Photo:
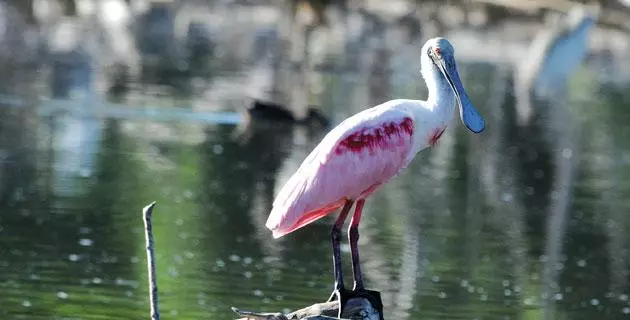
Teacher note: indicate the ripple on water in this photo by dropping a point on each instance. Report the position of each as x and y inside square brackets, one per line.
[432, 242]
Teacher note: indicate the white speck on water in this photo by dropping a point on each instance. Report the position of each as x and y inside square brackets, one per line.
[26, 303]
[435, 278]
[85, 172]
[134, 259]
[311, 284]
[544, 296]
[248, 274]
[235, 258]
[505, 283]
[62, 295]
[97, 280]
[86, 242]
[19, 195]
[623, 297]
[217, 149]
[517, 289]
[480, 290]
[529, 191]
[567, 153]
[125, 282]
[183, 235]
[270, 259]
[506, 197]
[73, 257]
[507, 292]
[581, 263]
[258, 293]
[557, 296]
[188, 194]
[594, 302]
[484, 297]
[129, 293]
[529, 301]
[189, 255]
[471, 289]
[220, 263]
[85, 230]
[626, 310]
[442, 295]
[286, 310]
[559, 266]
[33, 276]
[247, 260]
[84, 282]
[463, 283]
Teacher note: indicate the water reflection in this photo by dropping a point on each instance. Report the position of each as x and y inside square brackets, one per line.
[524, 221]
[434, 243]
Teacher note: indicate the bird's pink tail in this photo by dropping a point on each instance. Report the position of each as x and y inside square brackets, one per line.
[306, 219]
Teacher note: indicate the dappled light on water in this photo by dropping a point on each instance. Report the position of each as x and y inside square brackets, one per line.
[527, 220]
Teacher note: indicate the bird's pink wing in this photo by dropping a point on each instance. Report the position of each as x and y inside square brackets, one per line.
[355, 158]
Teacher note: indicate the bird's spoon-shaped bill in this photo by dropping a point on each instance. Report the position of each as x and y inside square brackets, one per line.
[467, 112]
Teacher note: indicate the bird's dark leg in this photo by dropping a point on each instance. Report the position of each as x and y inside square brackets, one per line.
[358, 291]
[353, 237]
[336, 241]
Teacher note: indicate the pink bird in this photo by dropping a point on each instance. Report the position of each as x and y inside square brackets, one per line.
[364, 152]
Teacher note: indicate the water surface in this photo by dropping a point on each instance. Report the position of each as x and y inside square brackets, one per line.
[517, 223]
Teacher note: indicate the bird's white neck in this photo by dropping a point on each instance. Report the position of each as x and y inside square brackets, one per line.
[441, 99]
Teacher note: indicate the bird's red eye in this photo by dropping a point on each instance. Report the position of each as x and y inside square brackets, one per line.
[438, 51]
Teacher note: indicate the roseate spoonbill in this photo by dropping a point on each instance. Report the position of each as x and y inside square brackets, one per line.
[277, 112]
[366, 150]
[553, 55]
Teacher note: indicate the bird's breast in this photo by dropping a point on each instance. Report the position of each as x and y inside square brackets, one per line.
[435, 135]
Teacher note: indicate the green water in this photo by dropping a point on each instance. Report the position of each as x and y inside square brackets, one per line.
[527, 224]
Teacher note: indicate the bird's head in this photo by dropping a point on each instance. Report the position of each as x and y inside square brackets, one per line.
[439, 55]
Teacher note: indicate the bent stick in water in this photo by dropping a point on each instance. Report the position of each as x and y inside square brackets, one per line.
[356, 308]
[148, 235]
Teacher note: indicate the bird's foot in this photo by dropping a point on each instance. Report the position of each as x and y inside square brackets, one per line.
[343, 295]
[339, 294]
[334, 296]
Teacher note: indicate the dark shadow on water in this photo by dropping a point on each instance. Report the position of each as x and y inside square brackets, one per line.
[237, 169]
